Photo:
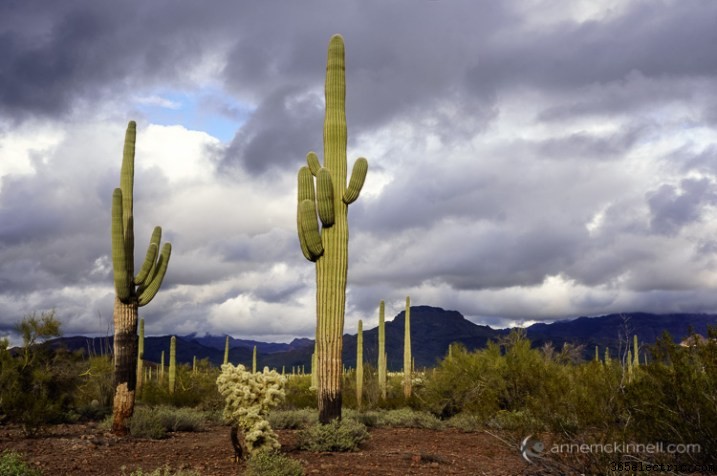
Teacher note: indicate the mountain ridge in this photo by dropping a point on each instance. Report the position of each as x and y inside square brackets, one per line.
[433, 329]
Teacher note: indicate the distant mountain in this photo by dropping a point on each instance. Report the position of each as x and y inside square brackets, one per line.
[432, 330]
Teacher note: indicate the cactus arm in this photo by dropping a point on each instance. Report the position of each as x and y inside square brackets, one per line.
[358, 176]
[325, 197]
[119, 252]
[305, 192]
[309, 230]
[147, 293]
[150, 259]
[314, 165]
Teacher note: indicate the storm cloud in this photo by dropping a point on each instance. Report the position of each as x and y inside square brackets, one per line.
[527, 160]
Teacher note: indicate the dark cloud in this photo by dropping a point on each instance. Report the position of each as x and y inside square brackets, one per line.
[673, 207]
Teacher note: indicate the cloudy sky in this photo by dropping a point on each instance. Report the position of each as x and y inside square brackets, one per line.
[528, 160]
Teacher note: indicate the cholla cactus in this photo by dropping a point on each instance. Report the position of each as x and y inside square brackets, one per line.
[249, 396]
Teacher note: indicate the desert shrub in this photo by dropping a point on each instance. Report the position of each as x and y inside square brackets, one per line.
[146, 423]
[272, 463]
[249, 396]
[520, 421]
[93, 398]
[299, 393]
[49, 376]
[12, 464]
[165, 471]
[181, 419]
[408, 418]
[466, 422]
[292, 419]
[339, 435]
[193, 388]
[674, 398]
[466, 382]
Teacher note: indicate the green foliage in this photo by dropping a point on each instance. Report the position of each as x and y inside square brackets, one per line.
[675, 398]
[12, 464]
[339, 435]
[165, 471]
[146, 423]
[292, 419]
[249, 396]
[299, 393]
[272, 463]
[48, 376]
[191, 389]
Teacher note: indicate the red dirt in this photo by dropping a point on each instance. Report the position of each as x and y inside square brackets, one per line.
[83, 450]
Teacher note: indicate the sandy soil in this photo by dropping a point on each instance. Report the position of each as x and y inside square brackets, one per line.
[83, 450]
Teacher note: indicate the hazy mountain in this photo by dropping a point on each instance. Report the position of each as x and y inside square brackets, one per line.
[432, 330]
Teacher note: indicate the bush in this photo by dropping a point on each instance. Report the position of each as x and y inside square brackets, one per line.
[339, 435]
[12, 464]
[272, 463]
[159, 472]
[292, 419]
[146, 423]
[181, 419]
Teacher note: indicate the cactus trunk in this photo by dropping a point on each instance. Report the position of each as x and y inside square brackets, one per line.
[172, 364]
[382, 350]
[407, 360]
[359, 365]
[131, 290]
[226, 350]
[328, 247]
[253, 360]
[140, 357]
[125, 365]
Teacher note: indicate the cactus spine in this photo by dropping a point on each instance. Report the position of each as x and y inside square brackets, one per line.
[407, 360]
[328, 247]
[132, 291]
[382, 349]
[140, 357]
[172, 364]
[359, 364]
[226, 350]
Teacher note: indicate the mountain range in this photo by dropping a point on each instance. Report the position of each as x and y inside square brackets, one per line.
[432, 331]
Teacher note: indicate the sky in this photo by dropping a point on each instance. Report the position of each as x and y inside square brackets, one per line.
[529, 160]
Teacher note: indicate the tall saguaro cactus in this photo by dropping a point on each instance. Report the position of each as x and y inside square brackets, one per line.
[407, 360]
[327, 246]
[172, 364]
[382, 349]
[132, 291]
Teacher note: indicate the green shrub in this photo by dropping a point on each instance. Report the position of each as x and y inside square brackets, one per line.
[339, 435]
[181, 419]
[292, 419]
[408, 418]
[12, 464]
[299, 393]
[272, 463]
[166, 471]
[146, 423]
[466, 422]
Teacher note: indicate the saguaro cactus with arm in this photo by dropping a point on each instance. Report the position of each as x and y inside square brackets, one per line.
[132, 291]
[328, 246]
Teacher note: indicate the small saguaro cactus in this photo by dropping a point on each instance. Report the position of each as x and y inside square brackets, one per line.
[161, 368]
[253, 360]
[382, 349]
[132, 291]
[607, 355]
[635, 352]
[172, 364]
[226, 350]
[407, 360]
[359, 364]
[329, 197]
